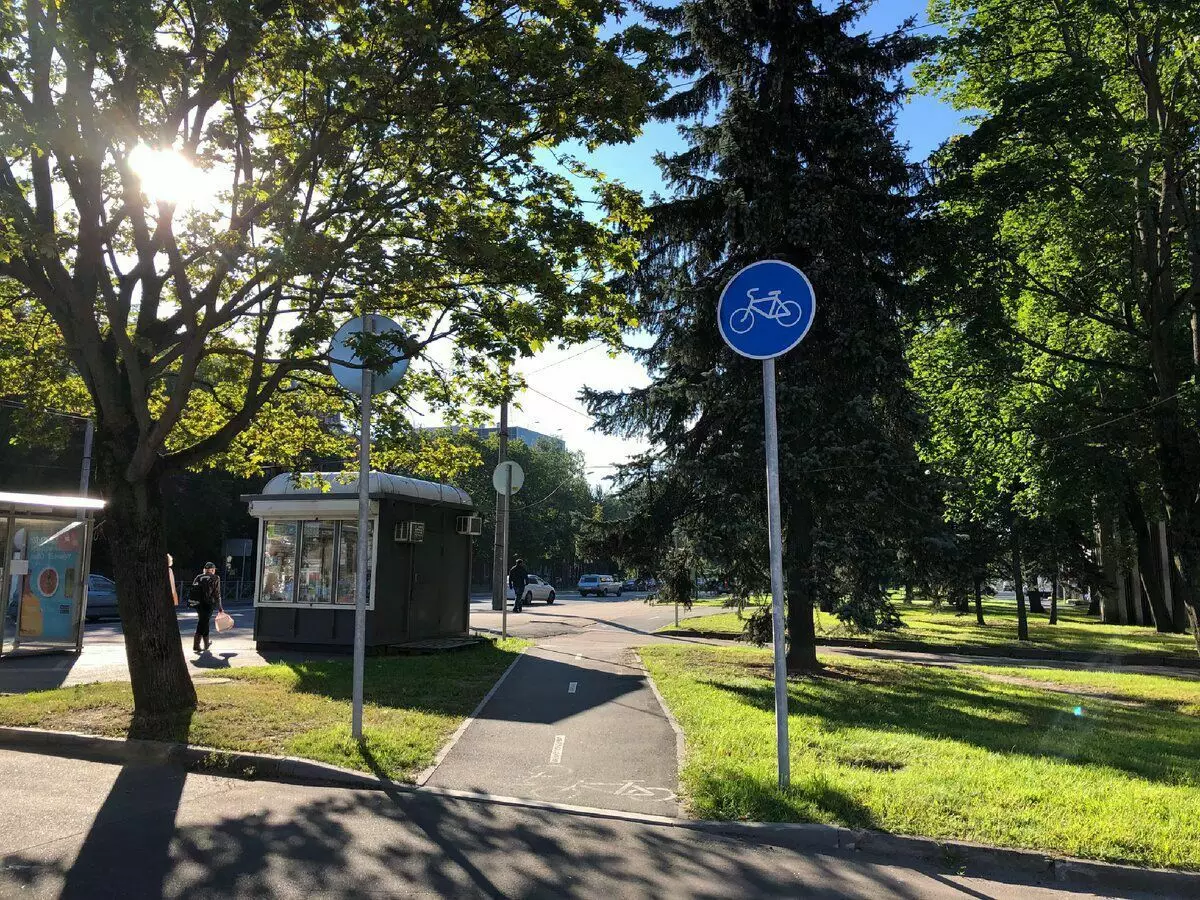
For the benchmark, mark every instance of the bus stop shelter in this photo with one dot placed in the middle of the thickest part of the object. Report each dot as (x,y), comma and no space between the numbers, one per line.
(45,552)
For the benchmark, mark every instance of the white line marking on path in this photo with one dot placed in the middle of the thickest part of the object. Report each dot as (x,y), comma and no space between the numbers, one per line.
(579,656)
(556,753)
(571,687)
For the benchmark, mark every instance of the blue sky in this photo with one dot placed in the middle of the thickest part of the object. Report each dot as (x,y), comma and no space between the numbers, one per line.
(556,376)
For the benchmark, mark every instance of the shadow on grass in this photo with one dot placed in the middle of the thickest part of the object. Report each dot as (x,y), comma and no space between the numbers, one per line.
(1151,742)
(731,793)
(441,682)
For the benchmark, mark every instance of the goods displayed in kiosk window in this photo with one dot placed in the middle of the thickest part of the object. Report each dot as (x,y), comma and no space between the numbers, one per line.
(310,562)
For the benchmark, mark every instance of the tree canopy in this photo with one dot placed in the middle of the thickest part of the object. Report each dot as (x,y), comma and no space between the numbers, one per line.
(196,193)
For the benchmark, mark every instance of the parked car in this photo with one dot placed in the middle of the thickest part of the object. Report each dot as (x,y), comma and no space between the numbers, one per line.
(102,599)
(632,584)
(535,589)
(600,585)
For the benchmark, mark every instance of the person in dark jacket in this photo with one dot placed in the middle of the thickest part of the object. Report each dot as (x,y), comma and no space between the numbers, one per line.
(205,596)
(518,577)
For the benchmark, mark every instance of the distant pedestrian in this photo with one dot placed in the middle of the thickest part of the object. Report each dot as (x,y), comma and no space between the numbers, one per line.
(171,579)
(518,577)
(204,597)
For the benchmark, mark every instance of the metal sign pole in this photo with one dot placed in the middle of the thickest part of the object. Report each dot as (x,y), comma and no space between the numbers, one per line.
(364,526)
(775,536)
(508,474)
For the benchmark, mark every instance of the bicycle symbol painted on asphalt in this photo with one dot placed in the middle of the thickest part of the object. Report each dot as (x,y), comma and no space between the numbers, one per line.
(771,307)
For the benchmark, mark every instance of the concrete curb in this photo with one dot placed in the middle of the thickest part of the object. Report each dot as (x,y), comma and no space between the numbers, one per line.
(123,751)
(960,857)
(680,739)
(1030,653)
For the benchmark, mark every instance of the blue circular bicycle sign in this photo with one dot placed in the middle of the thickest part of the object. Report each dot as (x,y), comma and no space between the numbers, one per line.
(766,309)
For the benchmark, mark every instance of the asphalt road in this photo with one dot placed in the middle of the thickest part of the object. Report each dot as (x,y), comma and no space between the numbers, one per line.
(75,829)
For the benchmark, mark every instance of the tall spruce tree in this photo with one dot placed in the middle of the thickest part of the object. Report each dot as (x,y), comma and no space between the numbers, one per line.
(791,154)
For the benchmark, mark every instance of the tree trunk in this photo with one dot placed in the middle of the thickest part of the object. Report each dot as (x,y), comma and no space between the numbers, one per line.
(1110,565)
(908,593)
(798,577)
(1035,599)
(1018,586)
(1188,560)
(1149,564)
(1172,589)
(962,600)
(979,600)
(1054,597)
(162,687)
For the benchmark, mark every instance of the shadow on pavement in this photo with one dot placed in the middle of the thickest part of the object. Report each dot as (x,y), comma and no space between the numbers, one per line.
(144,800)
(335,844)
(536,691)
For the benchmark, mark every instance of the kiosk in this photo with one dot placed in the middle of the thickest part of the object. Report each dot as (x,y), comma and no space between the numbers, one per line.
(418,574)
(45,551)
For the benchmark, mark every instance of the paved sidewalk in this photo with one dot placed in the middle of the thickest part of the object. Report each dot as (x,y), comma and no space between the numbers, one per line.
(76,829)
(103,656)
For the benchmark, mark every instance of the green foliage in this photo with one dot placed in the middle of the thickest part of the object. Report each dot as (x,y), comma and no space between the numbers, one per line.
(197,193)
(367,156)
(1058,355)
(545,514)
(677,581)
(791,155)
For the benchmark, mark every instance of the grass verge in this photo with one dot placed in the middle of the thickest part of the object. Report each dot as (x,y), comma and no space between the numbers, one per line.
(412,706)
(943,628)
(945,753)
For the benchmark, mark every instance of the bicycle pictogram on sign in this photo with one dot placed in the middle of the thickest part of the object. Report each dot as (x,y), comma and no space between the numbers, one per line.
(766,309)
(786,312)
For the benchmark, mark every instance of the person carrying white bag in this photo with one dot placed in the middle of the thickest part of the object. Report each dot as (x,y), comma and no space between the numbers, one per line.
(204,596)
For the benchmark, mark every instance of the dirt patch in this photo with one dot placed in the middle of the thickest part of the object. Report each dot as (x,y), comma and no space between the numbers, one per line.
(1078,690)
(107,721)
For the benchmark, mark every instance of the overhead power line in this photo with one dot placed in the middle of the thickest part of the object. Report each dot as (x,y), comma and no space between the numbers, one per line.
(573,409)
(559,362)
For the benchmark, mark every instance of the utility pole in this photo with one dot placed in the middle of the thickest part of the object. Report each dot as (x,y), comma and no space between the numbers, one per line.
(499,567)
(85,473)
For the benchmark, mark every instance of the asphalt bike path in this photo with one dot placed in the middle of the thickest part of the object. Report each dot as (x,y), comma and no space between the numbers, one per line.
(575,721)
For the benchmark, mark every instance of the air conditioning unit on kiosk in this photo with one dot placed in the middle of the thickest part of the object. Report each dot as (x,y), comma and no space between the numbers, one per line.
(469,525)
(409,532)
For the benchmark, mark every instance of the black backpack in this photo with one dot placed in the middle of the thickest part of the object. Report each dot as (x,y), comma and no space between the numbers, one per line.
(199,591)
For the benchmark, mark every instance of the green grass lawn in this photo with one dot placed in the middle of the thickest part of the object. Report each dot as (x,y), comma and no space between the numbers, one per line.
(944,628)
(947,753)
(412,706)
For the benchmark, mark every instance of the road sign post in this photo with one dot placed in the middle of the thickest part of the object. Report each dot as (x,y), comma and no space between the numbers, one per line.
(364,527)
(350,371)
(765,310)
(507,479)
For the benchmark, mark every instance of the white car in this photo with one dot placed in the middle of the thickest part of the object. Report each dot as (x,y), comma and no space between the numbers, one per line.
(535,589)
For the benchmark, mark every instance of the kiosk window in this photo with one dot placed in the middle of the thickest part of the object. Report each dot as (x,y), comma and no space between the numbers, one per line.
(348,561)
(316,562)
(279,562)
